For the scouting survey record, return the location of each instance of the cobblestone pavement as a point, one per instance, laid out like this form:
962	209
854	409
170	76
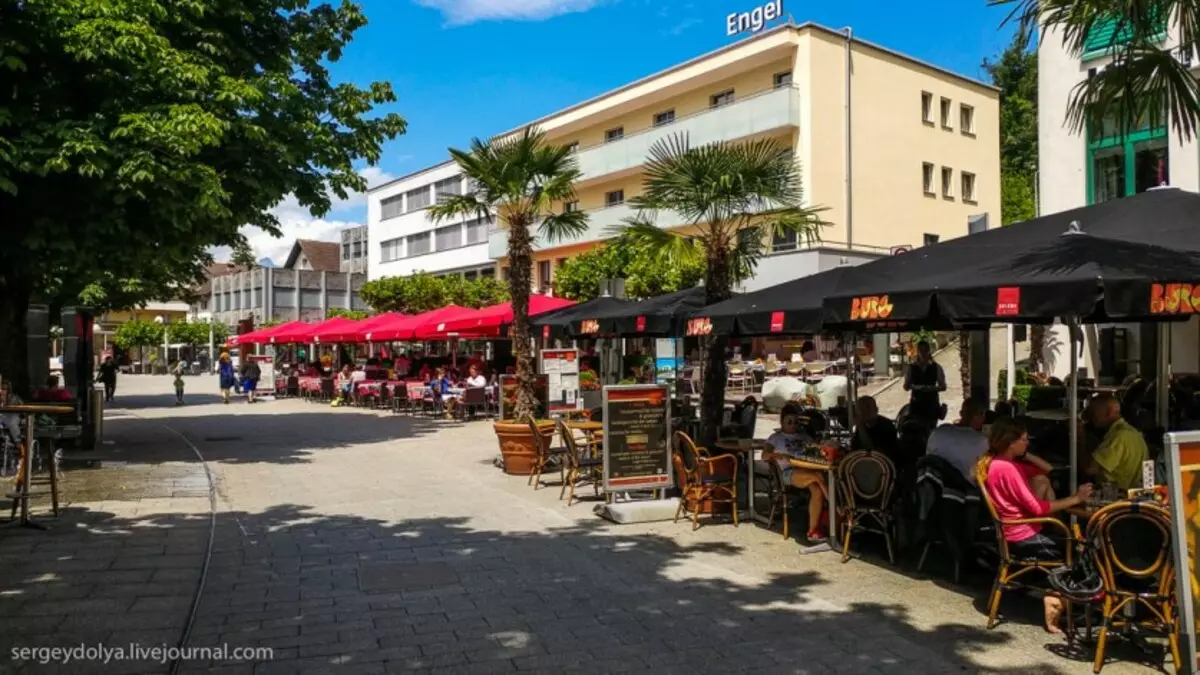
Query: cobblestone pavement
355	542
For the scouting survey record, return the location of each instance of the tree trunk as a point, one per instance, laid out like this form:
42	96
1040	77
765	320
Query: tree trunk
964	362
712	400
1037	345
15	295
520	268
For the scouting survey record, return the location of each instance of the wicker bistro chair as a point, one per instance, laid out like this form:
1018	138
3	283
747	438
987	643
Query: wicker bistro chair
544	456
779	493
1133	543
399	397
1012	569
866	481
705	479
579	464
473	400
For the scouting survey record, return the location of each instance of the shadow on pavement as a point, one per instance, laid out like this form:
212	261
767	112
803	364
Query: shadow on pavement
340	593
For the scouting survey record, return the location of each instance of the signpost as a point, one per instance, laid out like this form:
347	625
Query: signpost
637	438
561	369
1183	484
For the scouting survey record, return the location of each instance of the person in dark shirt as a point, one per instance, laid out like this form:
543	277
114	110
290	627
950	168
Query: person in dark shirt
873	431
108	376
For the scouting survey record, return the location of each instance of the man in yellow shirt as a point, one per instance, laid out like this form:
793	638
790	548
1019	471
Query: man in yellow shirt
1119	458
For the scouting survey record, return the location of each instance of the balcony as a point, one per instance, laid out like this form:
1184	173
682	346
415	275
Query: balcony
600	224
757	113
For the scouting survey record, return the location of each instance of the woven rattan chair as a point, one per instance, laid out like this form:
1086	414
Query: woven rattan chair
544	455
866	481
579	464
705	479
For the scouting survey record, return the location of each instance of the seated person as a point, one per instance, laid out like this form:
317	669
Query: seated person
1122	450
475	380
440	386
874	432
345	382
1010	494
790	441
359	375
963	443
52	392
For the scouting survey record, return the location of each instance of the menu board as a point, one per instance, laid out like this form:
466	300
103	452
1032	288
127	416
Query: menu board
1183	482
637	437
508	396
561	368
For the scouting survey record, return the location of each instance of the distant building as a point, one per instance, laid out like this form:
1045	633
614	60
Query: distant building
354	249
310	283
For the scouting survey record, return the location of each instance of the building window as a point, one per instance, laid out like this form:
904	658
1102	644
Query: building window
783	79
470	275
968	187
664	118
392	207
614	134
358	250
446	238
1104	36
419	244
784	241
392	249
1121	165
477	232
570	207
947	183
573	147
346	251
927	177
418	199
931	239
966	119
927	107
544	275
614	198
723	98
505	274
449	187
945	113
487	272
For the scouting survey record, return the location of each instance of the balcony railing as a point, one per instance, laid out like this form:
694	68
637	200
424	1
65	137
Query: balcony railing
601	223
754	114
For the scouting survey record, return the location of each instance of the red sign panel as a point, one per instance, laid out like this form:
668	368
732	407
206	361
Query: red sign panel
1008	301
545	332
776	322
641	324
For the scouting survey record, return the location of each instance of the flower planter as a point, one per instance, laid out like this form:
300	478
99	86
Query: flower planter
516	445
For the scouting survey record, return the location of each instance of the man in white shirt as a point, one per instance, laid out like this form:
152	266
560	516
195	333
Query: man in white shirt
961	444
359	375
475	379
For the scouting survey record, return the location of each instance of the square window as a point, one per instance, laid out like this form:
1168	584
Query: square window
783	79
664	118
947	182
723	98
927	177
573	147
945	113
927	107
966	119
614	134
570	207
614	198
931	239
968	187
392	207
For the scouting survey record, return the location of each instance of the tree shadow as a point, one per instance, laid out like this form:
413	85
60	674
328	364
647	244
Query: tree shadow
340	592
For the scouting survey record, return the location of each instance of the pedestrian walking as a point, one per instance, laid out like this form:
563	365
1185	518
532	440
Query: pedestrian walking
250	374
179	367
225	376
108	376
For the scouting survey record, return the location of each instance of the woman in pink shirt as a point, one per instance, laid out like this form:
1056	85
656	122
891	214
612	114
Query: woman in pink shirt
1008	486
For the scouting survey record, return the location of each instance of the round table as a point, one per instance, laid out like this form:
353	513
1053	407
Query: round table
31	411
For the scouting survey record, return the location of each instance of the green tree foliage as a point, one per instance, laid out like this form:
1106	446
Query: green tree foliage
422	292
645	273
137	134
733	195
1014	72
356	314
521	178
138	333
196	332
1144	82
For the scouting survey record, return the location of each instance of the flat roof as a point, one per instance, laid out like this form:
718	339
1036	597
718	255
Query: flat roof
406	176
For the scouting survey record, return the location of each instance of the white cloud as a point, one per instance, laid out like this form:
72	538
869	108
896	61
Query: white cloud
297	222
459	12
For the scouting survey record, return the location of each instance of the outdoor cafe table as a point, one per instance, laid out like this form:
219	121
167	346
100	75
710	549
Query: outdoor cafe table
749	447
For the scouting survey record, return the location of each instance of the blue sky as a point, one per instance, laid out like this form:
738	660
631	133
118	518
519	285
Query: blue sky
465	68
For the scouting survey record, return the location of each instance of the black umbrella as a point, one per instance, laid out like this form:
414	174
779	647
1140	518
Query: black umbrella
561	320
662	315
791	307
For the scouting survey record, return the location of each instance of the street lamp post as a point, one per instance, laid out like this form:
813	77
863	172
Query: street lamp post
162	321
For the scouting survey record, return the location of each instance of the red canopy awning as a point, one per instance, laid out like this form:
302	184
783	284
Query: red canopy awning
332	328
491	321
412	327
359	330
302	333
262	336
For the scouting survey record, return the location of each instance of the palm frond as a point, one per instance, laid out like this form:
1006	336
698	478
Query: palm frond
672	248
559	226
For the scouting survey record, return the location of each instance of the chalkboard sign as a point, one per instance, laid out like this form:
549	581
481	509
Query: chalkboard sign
637	437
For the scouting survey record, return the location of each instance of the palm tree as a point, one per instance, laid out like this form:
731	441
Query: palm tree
729	196
1144	83
519	178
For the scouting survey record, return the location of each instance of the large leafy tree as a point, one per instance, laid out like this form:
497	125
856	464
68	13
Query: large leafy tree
645	274
730	196
520	178
1144	82
137	134
1014	71
422	291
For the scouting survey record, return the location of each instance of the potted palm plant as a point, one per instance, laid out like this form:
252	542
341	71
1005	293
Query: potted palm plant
519	180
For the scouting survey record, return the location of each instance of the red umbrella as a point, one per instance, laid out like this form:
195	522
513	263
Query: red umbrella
262	336
411	327
358	331
332	329
302	333
490	321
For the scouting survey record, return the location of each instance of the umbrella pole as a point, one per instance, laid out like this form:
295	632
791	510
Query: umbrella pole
851	379
1010	363
1073	403
1162	393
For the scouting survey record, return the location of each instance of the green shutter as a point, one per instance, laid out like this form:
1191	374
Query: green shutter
1104	35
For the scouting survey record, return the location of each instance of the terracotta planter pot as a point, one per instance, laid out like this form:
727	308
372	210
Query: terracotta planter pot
516	445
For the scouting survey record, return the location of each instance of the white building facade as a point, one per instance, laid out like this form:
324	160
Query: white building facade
405	240
1080	169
